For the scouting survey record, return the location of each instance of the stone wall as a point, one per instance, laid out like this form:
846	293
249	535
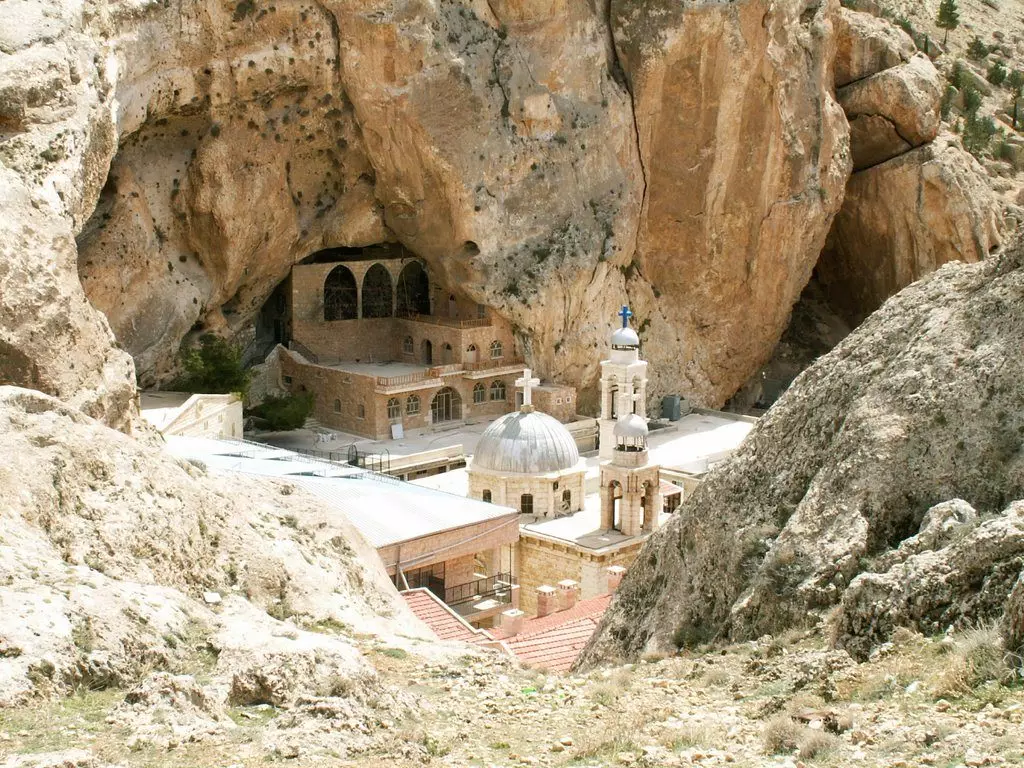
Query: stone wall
557	400
508	489
543	561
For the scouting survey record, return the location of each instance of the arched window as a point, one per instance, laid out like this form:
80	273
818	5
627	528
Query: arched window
337	406
361	411
394	408
497	390
341	300
377	293
496	350
486	495
413	290
479	393
566	500
526	503
408	347
412	405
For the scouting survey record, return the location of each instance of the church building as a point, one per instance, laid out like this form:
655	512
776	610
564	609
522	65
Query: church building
570	534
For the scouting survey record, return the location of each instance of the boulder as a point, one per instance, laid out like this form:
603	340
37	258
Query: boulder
907	97
930	588
919	405
866	44
904	218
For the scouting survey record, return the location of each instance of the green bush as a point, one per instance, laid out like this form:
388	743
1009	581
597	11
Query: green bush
213	367
283	413
977	49
996	73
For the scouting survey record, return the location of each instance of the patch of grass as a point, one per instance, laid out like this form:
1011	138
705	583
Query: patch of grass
254	716
59	725
976	657
329	626
620	736
393	653
499	745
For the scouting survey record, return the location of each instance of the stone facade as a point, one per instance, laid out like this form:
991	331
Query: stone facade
553	493
359	404
556	400
547	561
630	493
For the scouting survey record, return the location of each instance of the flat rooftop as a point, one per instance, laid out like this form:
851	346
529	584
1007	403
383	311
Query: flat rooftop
383	509
583	527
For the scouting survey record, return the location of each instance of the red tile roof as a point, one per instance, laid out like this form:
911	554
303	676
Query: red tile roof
446	624
554	641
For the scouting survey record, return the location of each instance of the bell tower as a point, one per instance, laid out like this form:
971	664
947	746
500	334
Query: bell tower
630	484
623	383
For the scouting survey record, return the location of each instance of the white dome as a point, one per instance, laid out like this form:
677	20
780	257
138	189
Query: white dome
631	426
625	337
526	443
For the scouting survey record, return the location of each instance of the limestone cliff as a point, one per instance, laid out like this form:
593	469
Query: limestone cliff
548	160
919	405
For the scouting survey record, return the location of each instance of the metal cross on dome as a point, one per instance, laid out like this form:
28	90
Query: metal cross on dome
625	314
527	383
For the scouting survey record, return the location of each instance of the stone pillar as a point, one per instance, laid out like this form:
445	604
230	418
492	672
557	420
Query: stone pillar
615	574
547	598
567	592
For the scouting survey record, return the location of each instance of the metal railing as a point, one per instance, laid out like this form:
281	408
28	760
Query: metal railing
498	587
452	322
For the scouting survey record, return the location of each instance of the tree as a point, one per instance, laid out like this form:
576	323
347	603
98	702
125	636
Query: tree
977	49
213	367
1015	82
949	17
996	73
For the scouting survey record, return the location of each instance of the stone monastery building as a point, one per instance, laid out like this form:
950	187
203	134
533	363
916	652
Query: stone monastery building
384	350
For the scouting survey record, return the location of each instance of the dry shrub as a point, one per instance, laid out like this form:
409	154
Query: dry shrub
816	744
618	736
780	734
976	657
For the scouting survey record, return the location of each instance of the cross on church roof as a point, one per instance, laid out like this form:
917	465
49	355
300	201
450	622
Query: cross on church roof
527	383
625	314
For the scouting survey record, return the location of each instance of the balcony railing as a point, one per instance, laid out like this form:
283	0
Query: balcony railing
501	362
451	322
497	587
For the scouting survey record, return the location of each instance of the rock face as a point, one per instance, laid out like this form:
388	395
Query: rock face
497	141
914	201
1013	621
892	111
955	567
56	140
109	546
903	219
744	152
919	405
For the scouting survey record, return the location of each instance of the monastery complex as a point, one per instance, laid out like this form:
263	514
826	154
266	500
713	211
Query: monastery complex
526	517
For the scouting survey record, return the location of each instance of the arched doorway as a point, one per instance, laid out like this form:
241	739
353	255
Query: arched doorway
427	352
341	296
377	292
471	353
566	501
413	290
446	406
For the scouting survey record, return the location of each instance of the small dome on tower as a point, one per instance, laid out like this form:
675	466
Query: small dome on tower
632	426
625	337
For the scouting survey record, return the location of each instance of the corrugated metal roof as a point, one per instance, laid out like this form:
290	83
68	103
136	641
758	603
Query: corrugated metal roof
385	510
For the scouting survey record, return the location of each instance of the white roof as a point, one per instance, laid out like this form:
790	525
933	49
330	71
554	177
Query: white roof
383	509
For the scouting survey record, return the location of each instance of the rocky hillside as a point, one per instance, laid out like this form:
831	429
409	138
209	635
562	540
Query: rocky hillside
167	165
883	484
121	566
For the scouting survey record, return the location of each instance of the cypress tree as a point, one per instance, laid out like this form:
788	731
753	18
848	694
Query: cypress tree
949	17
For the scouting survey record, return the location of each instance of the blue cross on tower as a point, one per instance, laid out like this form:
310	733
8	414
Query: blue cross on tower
625	314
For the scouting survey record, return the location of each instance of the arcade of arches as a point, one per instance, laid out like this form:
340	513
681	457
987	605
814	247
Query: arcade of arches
382	345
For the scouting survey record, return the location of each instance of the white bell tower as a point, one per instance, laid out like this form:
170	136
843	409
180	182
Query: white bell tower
623	383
